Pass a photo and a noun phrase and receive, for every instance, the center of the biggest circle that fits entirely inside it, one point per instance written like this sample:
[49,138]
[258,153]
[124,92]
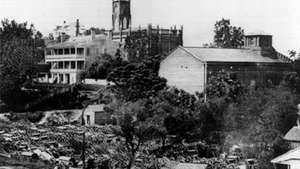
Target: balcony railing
[66,70]
[76,56]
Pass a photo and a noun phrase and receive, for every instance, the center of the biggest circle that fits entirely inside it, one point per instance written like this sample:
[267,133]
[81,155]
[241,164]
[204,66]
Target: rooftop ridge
[192,54]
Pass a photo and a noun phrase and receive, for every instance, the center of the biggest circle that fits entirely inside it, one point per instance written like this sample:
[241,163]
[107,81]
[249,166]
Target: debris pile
[55,144]
[62,145]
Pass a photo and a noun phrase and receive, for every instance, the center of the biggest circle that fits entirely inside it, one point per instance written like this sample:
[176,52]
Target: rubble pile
[62,145]
[55,144]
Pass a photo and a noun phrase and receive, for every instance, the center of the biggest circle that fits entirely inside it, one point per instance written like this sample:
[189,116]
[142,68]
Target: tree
[292,80]
[227,36]
[262,118]
[223,84]
[139,46]
[136,131]
[20,48]
[292,54]
[182,114]
[237,37]
[178,98]
[136,81]
[103,65]
[140,79]
[183,124]
[212,118]
[50,36]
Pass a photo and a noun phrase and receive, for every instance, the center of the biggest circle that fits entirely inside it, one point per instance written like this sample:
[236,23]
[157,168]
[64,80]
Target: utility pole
[83,151]
[205,82]
[83,136]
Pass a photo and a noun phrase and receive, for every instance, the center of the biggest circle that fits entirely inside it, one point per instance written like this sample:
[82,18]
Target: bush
[223,84]
[35,117]
[261,120]
[32,117]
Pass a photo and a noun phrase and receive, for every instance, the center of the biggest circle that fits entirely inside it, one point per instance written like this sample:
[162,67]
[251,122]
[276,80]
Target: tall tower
[121,15]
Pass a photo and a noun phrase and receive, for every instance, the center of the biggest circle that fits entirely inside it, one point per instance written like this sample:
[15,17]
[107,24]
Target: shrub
[35,117]
[261,119]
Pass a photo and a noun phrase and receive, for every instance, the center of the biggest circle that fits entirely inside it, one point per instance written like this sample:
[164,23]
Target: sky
[281,18]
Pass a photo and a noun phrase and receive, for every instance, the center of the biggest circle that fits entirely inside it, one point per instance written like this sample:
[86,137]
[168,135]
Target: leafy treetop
[227,36]
[20,48]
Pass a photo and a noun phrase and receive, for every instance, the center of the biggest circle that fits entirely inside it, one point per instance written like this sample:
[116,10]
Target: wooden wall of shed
[103,118]
[183,71]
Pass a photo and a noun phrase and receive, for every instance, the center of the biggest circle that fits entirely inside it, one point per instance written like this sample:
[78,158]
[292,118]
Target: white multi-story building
[69,59]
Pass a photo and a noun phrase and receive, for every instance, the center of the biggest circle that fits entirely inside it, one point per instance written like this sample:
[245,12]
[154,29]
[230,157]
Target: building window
[55,52]
[73,65]
[67,51]
[252,41]
[88,120]
[67,65]
[88,51]
[72,51]
[60,65]
[80,51]
[80,65]
[67,78]
[60,51]
[53,65]
[61,78]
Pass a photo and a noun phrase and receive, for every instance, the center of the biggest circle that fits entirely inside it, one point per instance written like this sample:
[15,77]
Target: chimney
[77,27]
[93,34]
[261,43]
[258,41]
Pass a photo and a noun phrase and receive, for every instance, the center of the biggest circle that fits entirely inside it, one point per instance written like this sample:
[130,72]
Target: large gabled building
[189,68]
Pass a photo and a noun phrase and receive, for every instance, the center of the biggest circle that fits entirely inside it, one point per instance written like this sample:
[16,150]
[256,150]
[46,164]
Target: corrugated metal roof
[293,134]
[229,55]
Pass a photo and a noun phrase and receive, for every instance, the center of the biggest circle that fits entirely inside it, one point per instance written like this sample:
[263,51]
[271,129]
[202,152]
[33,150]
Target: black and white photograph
[149,84]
